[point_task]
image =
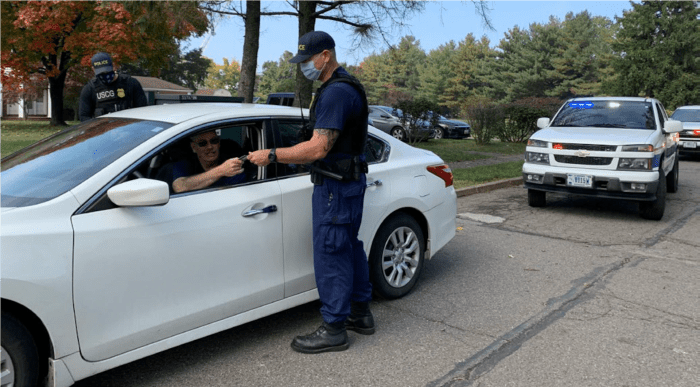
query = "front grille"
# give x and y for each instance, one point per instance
(583, 160)
(690, 133)
(590, 147)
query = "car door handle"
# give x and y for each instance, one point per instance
(377, 182)
(265, 210)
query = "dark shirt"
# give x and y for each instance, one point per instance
(134, 96)
(186, 168)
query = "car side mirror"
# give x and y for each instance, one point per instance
(139, 193)
(542, 122)
(673, 126)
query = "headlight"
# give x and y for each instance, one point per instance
(534, 157)
(638, 148)
(636, 164)
(537, 143)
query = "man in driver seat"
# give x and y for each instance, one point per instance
(210, 169)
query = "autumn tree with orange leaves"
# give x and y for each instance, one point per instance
(52, 38)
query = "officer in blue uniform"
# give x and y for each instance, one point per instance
(338, 117)
(109, 91)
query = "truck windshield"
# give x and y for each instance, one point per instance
(686, 115)
(607, 114)
(57, 164)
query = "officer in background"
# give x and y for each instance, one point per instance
(109, 91)
(338, 116)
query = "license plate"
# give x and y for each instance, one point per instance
(466, 132)
(585, 181)
(689, 144)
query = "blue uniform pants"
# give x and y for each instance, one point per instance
(340, 262)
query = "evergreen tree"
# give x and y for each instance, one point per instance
(657, 53)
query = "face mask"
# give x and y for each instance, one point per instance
(310, 71)
(106, 78)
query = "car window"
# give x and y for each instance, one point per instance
(606, 114)
(376, 150)
(661, 113)
(59, 163)
(290, 131)
(686, 115)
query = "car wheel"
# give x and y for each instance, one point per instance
(398, 133)
(20, 357)
(439, 133)
(396, 258)
(536, 198)
(672, 178)
(654, 210)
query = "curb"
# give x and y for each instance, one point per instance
(487, 187)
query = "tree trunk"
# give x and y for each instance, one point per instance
(307, 23)
(56, 85)
(250, 51)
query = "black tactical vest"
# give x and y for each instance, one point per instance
(353, 137)
(113, 97)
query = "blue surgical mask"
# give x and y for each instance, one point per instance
(310, 71)
(106, 78)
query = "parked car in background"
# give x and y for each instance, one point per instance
(690, 136)
(393, 116)
(451, 128)
(103, 265)
(610, 147)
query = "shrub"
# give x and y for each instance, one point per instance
(416, 114)
(520, 117)
(486, 119)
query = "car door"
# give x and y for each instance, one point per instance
(143, 274)
(380, 119)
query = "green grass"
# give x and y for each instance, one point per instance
(462, 150)
(20, 134)
(465, 177)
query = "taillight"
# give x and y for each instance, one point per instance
(442, 171)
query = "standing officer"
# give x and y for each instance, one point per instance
(338, 116)
(109, 91)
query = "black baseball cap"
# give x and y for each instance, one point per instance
(311, 44)
(101, 63)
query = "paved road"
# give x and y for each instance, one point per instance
(579, 293)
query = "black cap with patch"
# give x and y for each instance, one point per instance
(311, 44)
(101, 63)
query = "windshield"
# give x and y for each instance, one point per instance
(607, 114)
(686, 115)
(58, 163)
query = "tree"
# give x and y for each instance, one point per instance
(52, 37)
(468, 67)
(277, 76)
(224, 76)
(417, 115)
(188, 70)
(657, 53)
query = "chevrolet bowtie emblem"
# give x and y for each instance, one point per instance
(582, 153)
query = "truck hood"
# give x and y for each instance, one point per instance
(597, 136)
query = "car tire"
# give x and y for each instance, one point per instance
(398, 133)
(20, 357)
(396, 257)
(672, 178)
(536, 198)
(654, 210)
(439, 133)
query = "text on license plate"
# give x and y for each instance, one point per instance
(689, 144)
(579, 180)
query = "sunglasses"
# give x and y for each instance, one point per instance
(203, 143)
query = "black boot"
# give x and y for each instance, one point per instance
(360, 319)
(327, 338)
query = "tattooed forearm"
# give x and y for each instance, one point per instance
(331, 136)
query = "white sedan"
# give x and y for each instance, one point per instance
(103, 264)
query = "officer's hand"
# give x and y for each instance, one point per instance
(260, 157)
(231, 167)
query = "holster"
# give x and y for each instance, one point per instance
(342, 170)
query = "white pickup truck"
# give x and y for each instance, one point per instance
(610, 147)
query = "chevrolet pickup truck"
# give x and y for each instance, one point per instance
(609, 147)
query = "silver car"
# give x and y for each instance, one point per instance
(102, 264)
(388, 119)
